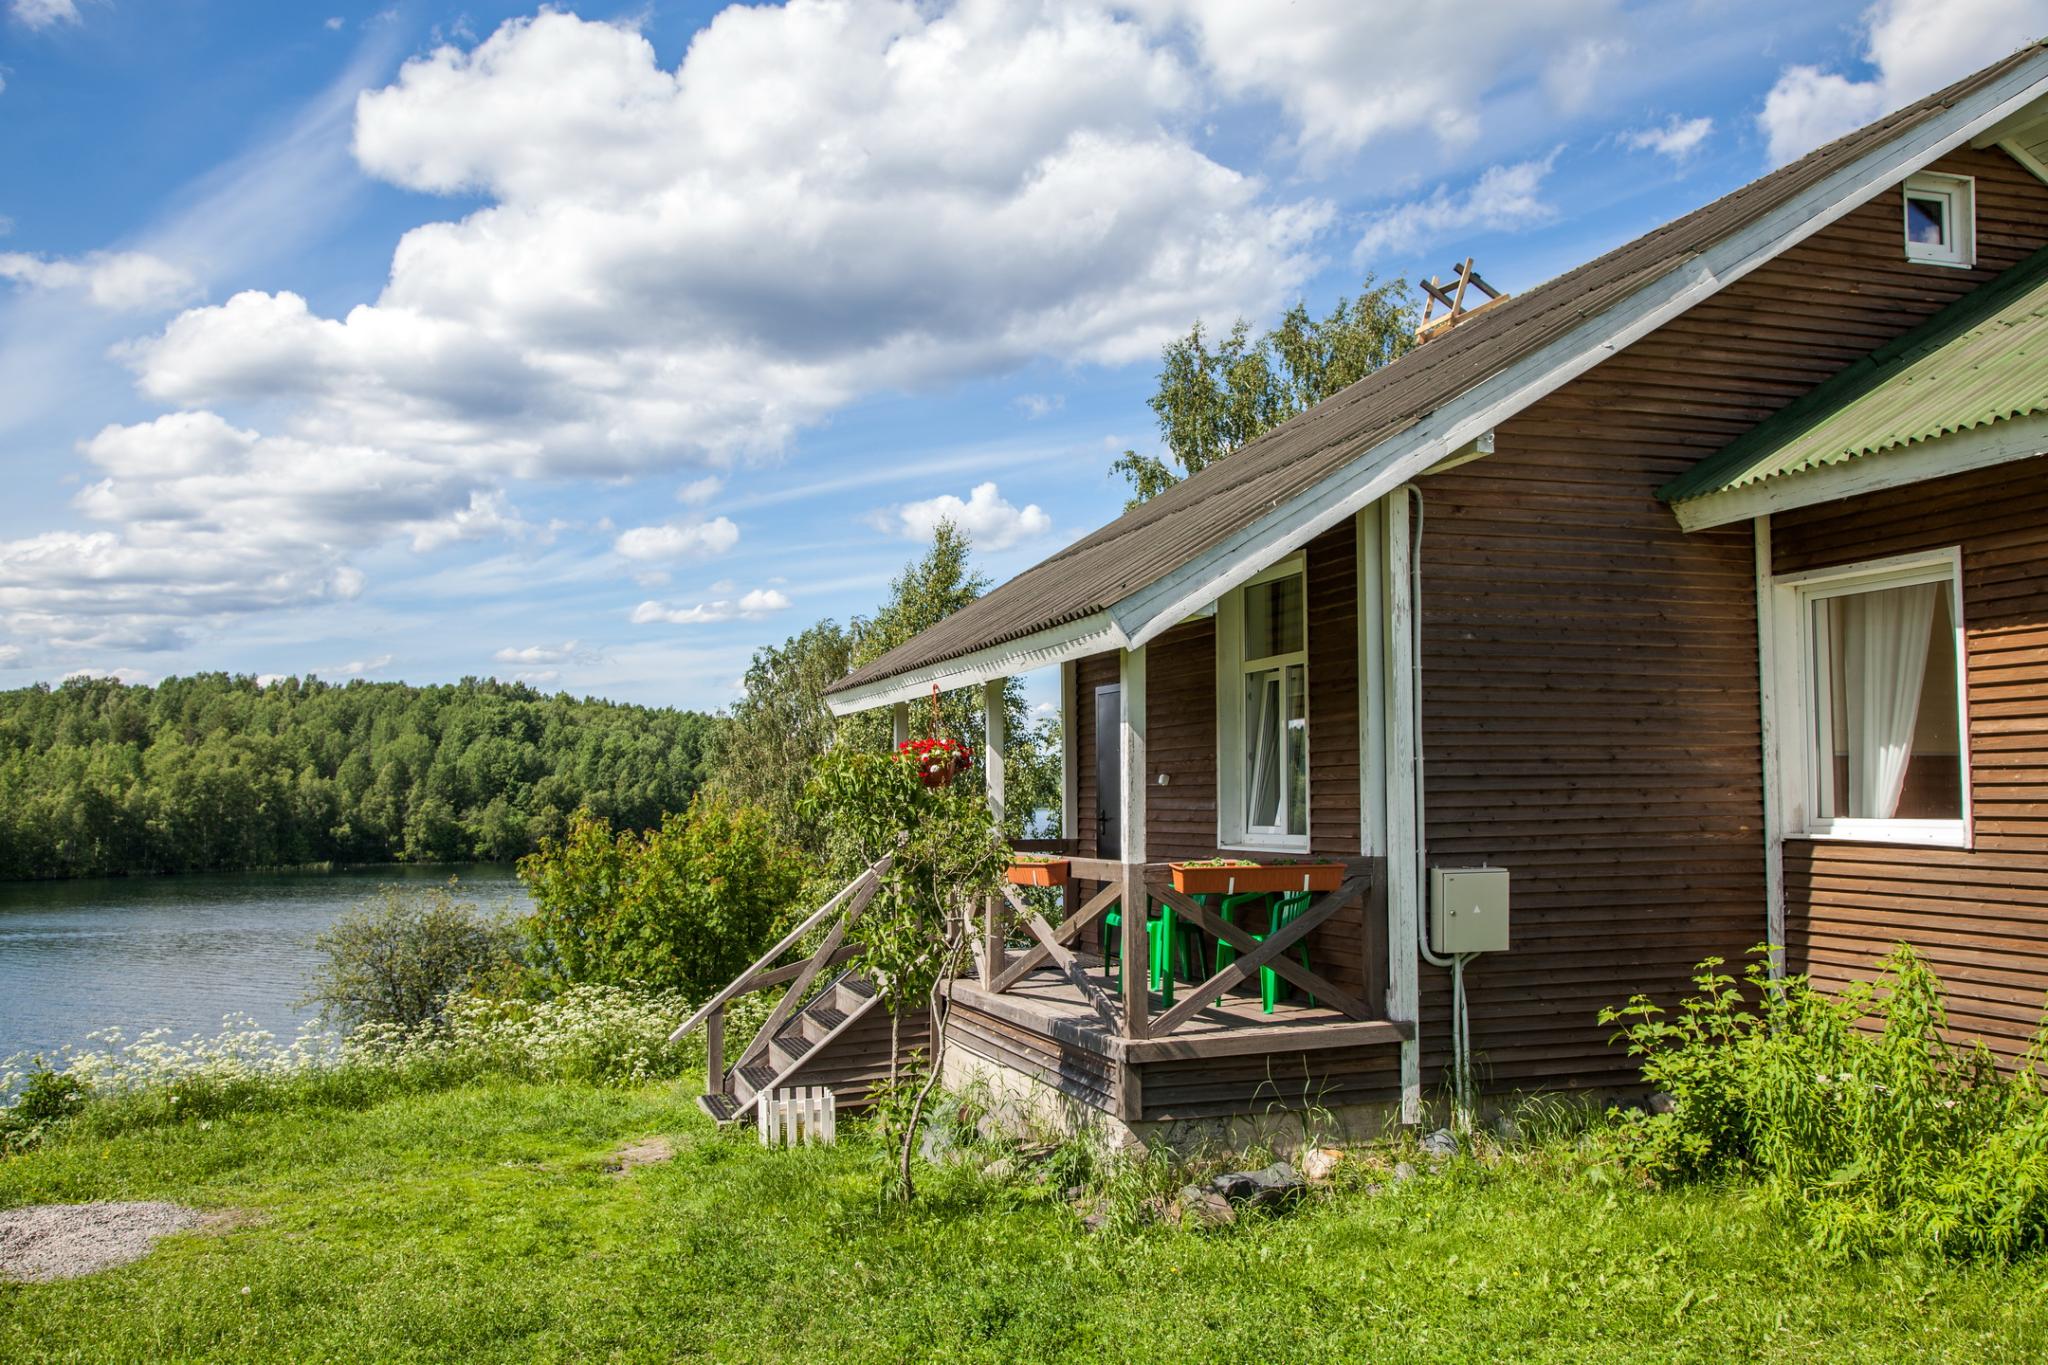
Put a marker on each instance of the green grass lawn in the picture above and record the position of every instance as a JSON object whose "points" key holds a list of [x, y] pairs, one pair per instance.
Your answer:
{"points": [[481, 1224]]}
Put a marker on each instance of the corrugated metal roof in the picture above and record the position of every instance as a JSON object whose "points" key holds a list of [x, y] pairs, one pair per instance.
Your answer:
{"points": [[1982, 359], [1151, 541]]}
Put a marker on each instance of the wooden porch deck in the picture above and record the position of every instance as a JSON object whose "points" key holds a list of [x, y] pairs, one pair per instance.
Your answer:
{"points": [[1049, 1004]]}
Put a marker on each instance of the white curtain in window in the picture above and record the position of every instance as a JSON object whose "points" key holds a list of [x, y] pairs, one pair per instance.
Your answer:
{"points": [[1888, 635]]}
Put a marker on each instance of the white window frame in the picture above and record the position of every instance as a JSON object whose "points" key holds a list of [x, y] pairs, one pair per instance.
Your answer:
{"points": [[1231, 667], [1793, 683], [1959, 192]]}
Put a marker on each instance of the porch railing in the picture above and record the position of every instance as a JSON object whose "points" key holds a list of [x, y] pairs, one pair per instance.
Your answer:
{"points": [[1129, 1015]]}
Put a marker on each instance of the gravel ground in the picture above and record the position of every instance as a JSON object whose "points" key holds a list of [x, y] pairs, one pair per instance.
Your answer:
{"points": [[58, 1241]]}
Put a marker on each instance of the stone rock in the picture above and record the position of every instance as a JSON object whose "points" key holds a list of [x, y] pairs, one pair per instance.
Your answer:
{"points": [[1320, 1163], [1095, 1221], [1200, 1208], [1403, 1171], [1002, 1168], [1074, 1193], [1275, 1184], [1662, 1103], [1442, 1143], [1375, 1188]]}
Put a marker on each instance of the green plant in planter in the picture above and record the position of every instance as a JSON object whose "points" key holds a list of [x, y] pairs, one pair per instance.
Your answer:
{"points": [[914, 933]]}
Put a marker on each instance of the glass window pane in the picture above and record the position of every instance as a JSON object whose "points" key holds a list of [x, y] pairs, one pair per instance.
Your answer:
{"points": [[1297, 750], [1272, 617], [1888, 740], [1927, 220], [1262, 759]]}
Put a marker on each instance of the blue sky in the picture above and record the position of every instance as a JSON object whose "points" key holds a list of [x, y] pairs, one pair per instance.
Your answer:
{"points": [[599, 347]]}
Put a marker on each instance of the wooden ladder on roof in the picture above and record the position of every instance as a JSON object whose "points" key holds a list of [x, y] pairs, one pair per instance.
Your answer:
{"points": [[813, 1035]]}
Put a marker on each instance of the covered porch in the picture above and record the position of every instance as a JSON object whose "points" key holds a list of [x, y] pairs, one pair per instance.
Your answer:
{"points": [[1266, 718], [1148, 1048]]}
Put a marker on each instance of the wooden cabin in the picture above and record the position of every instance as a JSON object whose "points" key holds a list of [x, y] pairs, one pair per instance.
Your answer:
{"points": [[1700, 588]]}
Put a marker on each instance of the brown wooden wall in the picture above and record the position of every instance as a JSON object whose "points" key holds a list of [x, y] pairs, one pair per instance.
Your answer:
{"points": [[1980, 916], [1590, 671]]}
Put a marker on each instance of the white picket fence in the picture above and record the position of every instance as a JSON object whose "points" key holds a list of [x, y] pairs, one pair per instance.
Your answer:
{"points": [[804, 1114]]}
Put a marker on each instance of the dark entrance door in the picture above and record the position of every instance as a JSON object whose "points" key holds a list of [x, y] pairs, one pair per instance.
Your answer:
{"points": [[1109, 773]]}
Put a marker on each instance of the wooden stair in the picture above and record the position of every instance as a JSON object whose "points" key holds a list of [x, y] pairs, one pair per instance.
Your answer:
{"points": [[812, 1033]]}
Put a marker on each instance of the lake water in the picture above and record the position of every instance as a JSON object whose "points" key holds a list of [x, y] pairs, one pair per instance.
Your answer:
{"points": [[181, 952]]}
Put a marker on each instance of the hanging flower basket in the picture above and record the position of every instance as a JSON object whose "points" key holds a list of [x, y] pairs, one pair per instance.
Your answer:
{"points": [[938, 761]]}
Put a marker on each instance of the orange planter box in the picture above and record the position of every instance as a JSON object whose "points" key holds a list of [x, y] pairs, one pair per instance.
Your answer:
{"points": [[1051, 872], [1196, 879]]}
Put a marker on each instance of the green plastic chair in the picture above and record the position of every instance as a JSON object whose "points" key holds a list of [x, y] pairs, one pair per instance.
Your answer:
{"points": [[1166, 938], [1285, 909]]}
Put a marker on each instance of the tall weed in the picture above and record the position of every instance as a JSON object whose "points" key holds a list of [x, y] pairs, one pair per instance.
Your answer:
{"points": [[1858, 1115]]}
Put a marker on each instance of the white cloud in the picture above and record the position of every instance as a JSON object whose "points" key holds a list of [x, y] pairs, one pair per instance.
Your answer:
{"points": [[671, 541], [697, 492], [754, 605], [540, 677], [1038, 405], [1913, 47], [822, 200], [1678, 138], [1348, 73], [40, 14], [333, 25], [537, 654], [130, 677], [1573, 75], [215, 521], [120, 281], [988, 519], [1502, 199]]}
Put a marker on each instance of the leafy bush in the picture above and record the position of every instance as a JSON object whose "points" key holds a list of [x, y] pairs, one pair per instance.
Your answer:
{"points": [[1862, 1120], [685, 907], [401, 958]]}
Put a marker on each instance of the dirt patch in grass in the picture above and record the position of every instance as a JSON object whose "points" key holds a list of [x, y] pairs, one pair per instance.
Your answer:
{"points": [[46, 1242], [648, 1151]]}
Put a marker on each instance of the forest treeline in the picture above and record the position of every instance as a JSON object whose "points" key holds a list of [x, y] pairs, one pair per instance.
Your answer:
{"points": [[215, 772]]}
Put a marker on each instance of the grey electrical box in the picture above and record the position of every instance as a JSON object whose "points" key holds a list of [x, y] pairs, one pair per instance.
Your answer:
{"points": [[1468, 910]]}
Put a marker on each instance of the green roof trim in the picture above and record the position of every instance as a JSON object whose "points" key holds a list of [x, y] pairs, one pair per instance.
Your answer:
{"points": [[1982, 359]]}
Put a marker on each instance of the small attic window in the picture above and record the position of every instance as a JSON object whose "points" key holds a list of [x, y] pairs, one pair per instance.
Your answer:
{"points": [[1940, 220]]}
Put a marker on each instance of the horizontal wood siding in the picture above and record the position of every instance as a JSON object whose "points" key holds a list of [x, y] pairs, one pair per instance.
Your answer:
{"points": [[1979, 916], [1221, 1086], [1077, 1073], [1589, 672]]}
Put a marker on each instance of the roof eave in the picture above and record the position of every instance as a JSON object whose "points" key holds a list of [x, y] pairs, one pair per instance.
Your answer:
{"points": [[1092, 634]]}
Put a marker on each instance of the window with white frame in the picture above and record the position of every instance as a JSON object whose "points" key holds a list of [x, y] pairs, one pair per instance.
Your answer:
{"points": [[1940, 219], [1262, 711], [1880, 751]]}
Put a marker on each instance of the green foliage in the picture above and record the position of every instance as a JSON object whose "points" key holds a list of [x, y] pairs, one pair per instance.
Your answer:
{"points": [[1864, 1122], [761, 754], [213, 772], [1210, 402], [400, 958], [684, 907], [948, 856]]}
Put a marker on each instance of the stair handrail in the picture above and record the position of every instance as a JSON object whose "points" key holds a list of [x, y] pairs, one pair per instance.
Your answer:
{"points": [[743, 983]]}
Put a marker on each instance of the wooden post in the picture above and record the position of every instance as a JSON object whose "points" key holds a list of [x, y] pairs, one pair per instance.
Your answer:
{"points": [[1070, 763], [714, 1052], [994, 956], [1404, 967], [1131, 706], [900, 723], [995, 721]]}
